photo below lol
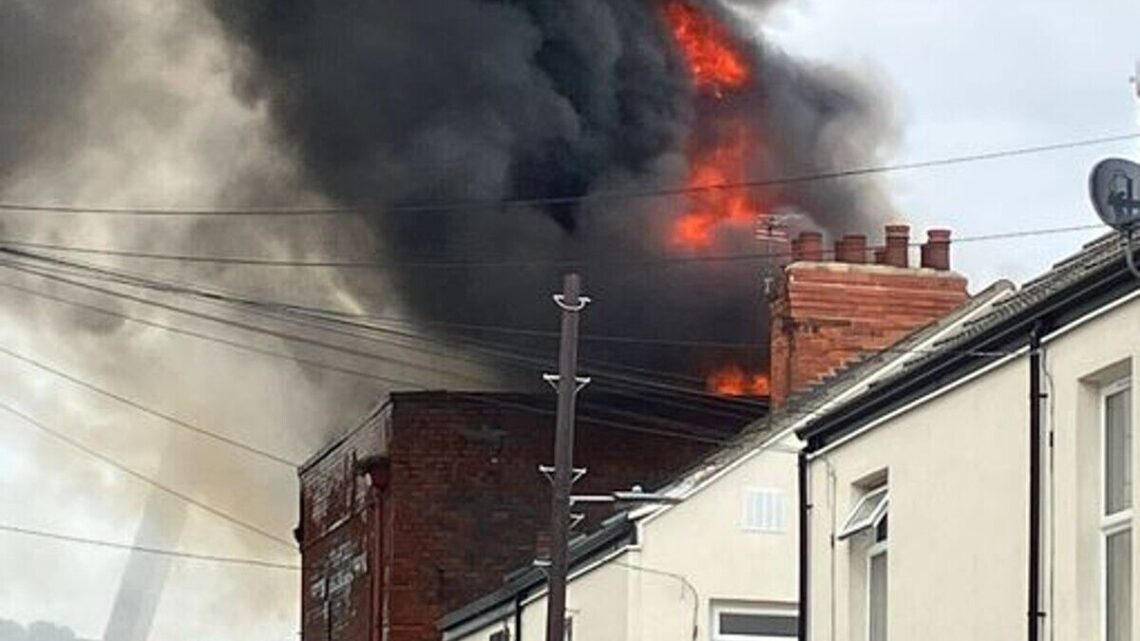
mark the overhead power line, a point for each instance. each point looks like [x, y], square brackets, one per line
[60, 436]
[326, 315]
[349, 351]
[600, 196]
[198, 335]
[639, 386]
[644, 424]
[634, 382]
[13, 245]
[149, 411]
[312, 317]
[193, 556]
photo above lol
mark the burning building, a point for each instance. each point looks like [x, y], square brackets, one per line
[437, 495]
[642, 142]
[480, 146]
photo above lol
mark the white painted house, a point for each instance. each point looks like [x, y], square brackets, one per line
[720, 562]
[985, 491]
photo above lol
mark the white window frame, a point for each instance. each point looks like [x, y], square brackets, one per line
[852, 527]
[1120, 521]
[877, 549]
[772, 610]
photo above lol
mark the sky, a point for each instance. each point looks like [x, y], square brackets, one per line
[963, 77]
[973, 76]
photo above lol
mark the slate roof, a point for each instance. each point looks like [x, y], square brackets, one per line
[1093, 256]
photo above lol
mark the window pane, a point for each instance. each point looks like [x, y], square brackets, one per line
[1118, 597]
[1117, 452]
[867, 505]
[863, 514]
[758, 625]
[877, 606]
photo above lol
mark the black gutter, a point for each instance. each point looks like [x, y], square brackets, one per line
[1092, 292]
[1035, 396]
[805, 510]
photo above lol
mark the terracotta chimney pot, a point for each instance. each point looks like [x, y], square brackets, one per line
[840, 253]
[855, 246]
[936, 251]
[811, 246]
[897, 250]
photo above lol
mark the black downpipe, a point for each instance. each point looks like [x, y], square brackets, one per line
[1035, 396]
[805, 507]
[518, 616]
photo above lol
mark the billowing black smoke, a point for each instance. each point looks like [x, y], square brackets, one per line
[392, 104]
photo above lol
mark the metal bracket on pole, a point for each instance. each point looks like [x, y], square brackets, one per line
[560, 300]
[554, 379]
[543, 566]
[575, 499]
[548, 472]
[576, 518]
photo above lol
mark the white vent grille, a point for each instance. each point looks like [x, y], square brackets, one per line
[763, 510]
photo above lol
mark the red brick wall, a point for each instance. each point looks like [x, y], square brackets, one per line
[338, 538]
[830, 313]
[465, 504]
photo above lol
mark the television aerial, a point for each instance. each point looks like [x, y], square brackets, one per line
[1114, 186]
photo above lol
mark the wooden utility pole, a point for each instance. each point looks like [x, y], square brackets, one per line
[568, 384]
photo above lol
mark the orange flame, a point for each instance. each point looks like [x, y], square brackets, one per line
[734, 381]
[710, 209]
[717, 67]
[712, 60]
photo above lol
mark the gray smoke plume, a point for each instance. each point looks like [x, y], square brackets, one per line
[128, 102]
[394, 103]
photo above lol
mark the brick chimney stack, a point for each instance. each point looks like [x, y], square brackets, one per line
[831, 312]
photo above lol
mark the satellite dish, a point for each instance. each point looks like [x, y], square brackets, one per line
[1115, 190]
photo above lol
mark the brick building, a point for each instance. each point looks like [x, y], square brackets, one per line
[437, 495]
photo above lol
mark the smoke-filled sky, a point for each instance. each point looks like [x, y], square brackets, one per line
[969, 76]
[260, 103]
